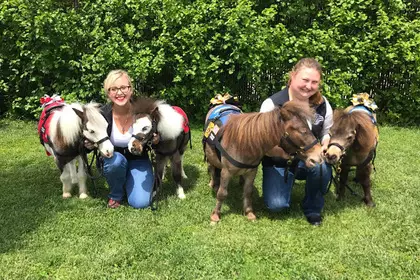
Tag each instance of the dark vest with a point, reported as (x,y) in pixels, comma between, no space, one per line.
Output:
(281,97)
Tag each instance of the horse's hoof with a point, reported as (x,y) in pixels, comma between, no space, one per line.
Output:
(66,195)
(251,216)
(83,196)
(214,218)
(370,204)
(181,193)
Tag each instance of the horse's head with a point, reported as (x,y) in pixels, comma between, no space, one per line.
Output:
(95,128)
(146,117)
(343,134)
(298,138)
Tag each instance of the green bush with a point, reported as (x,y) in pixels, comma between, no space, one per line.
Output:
(187,51)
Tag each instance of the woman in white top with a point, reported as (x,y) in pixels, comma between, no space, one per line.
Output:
(126,174)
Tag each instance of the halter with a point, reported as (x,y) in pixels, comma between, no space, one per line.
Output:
(146,139)
(299,149)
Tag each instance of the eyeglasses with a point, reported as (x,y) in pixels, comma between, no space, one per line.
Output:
(123,89)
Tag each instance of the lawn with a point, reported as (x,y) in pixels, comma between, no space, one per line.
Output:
(44,236)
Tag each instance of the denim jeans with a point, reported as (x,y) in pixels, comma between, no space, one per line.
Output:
(133,178)
(277,192)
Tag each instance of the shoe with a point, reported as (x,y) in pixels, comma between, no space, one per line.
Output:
(113,203)
(315,220)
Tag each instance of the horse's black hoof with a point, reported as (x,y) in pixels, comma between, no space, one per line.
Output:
(315,220)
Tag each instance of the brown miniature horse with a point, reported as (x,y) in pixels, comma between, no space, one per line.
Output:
(247,137)
(354,136)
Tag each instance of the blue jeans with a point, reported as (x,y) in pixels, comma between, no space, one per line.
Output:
(277,192)
(136,176)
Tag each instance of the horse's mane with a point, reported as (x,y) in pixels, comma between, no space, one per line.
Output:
(343,119)
(93,113)
(68,125)
(169,122)
(252,131)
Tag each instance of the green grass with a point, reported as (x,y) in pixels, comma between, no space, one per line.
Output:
(44,236)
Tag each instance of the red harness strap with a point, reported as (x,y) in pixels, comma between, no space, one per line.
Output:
(186,124)
(45,120)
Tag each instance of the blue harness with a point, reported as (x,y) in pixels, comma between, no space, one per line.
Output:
(213,131)
(362,108)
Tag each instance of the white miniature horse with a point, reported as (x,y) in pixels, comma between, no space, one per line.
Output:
(171,124)
(62,129)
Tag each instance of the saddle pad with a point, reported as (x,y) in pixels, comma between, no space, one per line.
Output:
(185,125)
(45,119)
(217,118)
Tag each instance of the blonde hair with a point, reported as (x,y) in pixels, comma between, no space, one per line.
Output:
(113,76)
(306,62)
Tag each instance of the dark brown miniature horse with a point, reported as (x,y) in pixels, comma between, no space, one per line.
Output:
(354,136)
(247,137)
(171,124)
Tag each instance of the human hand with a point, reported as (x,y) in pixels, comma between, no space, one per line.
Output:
(88,144)
(155,139)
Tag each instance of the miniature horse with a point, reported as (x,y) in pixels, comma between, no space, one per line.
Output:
(62,128)
(237,147)
(171,124)
(354,137)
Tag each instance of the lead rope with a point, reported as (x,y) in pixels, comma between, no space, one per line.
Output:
(157,182)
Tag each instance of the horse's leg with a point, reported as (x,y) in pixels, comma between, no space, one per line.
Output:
(344,174)
(81,175)
(214,177)
(221,194)
(248,185)
(176,165)
(66,179)
(184,176)
(363,176)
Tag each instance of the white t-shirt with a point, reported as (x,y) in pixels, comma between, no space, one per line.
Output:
(118,139)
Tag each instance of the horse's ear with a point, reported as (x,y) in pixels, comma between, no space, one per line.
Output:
(285,114)
(78,112)
(155,112)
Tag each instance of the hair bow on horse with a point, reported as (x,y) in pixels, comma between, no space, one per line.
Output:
(363,99)
(219,99)
(46,99)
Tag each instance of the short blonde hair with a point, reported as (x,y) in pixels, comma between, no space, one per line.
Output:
(113,76)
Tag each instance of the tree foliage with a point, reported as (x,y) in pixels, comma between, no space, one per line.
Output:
(187,51)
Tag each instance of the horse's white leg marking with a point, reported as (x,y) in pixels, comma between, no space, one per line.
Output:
(65,178)
(164,172)
(180,192)
(81,174)
(184,176)
(73,171)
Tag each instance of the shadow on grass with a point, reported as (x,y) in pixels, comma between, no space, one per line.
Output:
(234,201)
(169,187)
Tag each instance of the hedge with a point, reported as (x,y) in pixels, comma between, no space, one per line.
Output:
(187,51)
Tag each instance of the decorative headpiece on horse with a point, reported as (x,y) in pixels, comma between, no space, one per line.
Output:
(47,100)
(224,99)
(364,99)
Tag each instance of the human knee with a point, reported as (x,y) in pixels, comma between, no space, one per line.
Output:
(114,164)
(139,203)
(277,204)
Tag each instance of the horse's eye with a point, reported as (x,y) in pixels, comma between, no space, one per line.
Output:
(146,128)
(91,131)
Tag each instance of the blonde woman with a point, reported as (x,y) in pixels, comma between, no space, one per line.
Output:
(127,175)
(303,86)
